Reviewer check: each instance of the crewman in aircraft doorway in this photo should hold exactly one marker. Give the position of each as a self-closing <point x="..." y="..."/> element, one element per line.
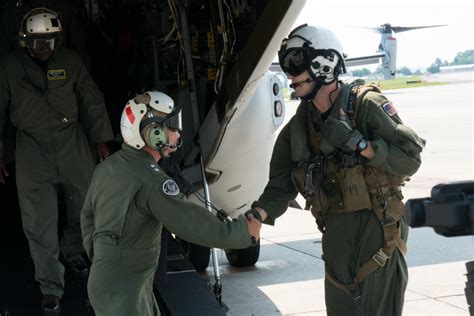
<point x="58" y="113"/>
<point x="71" y="13"/>
<point x="129" y="201"/>
<point x="348" y="153"/>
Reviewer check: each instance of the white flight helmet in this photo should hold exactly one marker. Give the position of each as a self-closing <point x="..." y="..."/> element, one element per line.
<point x="147" y="118"/>
<point x="41" y="29"/>
<point x="315" y="49"/>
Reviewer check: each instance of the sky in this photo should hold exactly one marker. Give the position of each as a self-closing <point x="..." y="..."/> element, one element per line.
<point x="418" y="48"/>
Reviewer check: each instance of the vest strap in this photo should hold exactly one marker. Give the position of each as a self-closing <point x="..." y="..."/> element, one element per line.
<point x="392" y="240"/>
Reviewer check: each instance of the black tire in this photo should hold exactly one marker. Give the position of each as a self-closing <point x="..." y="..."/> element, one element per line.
<point x="243" y="257"/>
<point x="197" y="255"/>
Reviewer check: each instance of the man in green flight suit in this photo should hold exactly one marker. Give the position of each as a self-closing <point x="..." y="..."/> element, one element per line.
<point x="129" y="201"/>
<point x="57" y="111"/>
<point x="348" y="153"/>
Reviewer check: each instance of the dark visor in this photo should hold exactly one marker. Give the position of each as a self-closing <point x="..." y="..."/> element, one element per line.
<point x="295" y="61"/>
<point x="172" y="121"/>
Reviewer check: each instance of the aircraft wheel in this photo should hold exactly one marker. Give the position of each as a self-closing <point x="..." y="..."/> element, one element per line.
<point x="198" y="255"/>
<point x="243" y="257"/>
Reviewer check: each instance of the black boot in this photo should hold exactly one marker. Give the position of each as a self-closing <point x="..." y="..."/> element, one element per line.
<point x="79" y="268"/>
<point x="50" y="305"/>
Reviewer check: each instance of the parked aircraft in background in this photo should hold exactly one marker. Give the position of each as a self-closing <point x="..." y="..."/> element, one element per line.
<point x="387" y="50"/>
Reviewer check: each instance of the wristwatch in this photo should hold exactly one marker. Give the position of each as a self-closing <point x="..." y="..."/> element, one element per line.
<point x="361" y="146"/>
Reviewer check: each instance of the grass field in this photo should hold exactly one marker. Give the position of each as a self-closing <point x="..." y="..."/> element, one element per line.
<point x="397" y="83"/>
<point x="403" y="82"/>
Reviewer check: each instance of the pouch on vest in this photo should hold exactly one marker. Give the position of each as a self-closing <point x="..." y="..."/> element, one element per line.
<point x="354" y="190"/>
<point x="333" y="191"/>
<point x="406" y="148"/>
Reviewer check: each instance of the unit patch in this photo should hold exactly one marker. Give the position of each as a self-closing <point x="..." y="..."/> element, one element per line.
<point x="170" y="187"/>
<point x="56" y="74"/>
<point x="389" y="108"/>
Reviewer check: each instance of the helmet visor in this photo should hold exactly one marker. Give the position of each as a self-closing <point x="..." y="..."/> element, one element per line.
<point x="294" y="61"/>
<point x="41" y="44"/>
<point x="174" y="122"/>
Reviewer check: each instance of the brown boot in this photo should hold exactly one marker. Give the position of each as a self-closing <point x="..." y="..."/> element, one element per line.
<point x="50" y="305"/>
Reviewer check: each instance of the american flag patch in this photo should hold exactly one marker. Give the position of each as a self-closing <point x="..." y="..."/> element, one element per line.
<point x="389" y="108"/>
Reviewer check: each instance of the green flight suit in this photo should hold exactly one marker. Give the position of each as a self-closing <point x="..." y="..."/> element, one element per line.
<point x="350" y="239"/>
<point x="129" y="200"/>
<point x="56" y="113"/>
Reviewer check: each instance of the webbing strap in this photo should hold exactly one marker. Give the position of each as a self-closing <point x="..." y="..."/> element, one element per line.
<point x="401" y="244"/>
<point x="379" y="259"/>
<point x="352" y="290"/>
<point x="391" y="234"/>
<point x="356" y="95"/>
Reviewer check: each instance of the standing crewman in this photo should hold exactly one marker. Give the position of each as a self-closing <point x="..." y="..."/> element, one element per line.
<point x="348" y="153"/>
<point x="129" y="201"/>
<point x="58" y="113"/>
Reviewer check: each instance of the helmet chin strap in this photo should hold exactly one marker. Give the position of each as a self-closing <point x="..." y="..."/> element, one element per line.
<point x="318" y="86"/>
<point x="313" y="93"/>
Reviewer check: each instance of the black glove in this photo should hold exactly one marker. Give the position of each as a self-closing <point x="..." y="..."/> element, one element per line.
<point x="255" y="214"/>
<point x="350" y="160"/>
<point x="339" y="134"/>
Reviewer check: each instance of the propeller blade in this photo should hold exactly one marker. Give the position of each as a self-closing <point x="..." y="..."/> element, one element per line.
<point x="372" y="29"/>
<point x="398" y="29"/>
<point x="387" y="28"/>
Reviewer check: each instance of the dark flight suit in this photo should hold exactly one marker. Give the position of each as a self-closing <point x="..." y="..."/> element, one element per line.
<point x="56" y="113"/>
<point x="73" y="38"/>
<point x="350" y="238"/>
<point x="129" y="200"/>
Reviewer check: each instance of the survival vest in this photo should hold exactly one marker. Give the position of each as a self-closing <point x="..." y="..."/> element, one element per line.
<point x="341" y="184"/>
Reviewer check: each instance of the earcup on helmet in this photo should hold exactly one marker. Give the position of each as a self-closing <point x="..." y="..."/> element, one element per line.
<point x="155" y="135"/>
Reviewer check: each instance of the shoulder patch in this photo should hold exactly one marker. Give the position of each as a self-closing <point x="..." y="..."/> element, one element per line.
<point x="389" y="108"/>
<point x="170" y="187"/>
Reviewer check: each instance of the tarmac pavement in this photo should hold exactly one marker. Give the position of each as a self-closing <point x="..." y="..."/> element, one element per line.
<point x="288" y="278"/>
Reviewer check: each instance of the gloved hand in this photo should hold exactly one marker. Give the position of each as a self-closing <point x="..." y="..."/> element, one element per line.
<point x="254" y="223"/>
<point x="255" y="214"/>
<point x="338" y="133"/>
<point x="350" y="160"/>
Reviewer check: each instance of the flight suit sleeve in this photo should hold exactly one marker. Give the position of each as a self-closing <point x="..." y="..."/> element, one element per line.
<point x="92" y="111"/>
<point x="87" y="225"/>
<point x="279" y="190"/>
<point x="397" y="147"/>
<point x="194" y="223"/>
<point x="4" y="102"/>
